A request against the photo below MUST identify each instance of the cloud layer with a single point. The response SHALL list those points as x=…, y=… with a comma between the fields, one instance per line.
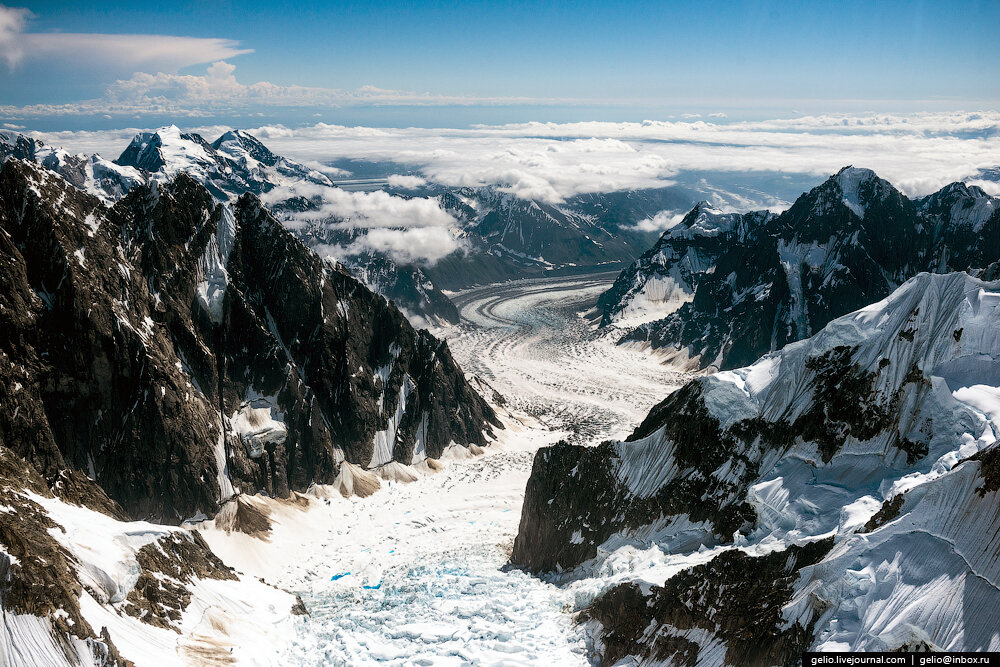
x=919, y=153
x=551, y=162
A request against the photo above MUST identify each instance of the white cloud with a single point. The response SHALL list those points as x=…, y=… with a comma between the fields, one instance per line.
x=12, y=23
x=405, y=181
x=919, y=153
x=366, y=209
x=660, y=222
x=164, y=52
x=423, y=245
x=199, y=95
x=408, y=229
x=129, y=52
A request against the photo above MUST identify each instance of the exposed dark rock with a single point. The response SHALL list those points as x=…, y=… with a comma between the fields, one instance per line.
x=72, y=486
x=299, y=608
x=735, y=597
x=845, y=244
x=129, y=336
x=160, y=596
x=575, y=498
x=37, y=575
x=989, y=462
x=684, y=255
x=889, y=511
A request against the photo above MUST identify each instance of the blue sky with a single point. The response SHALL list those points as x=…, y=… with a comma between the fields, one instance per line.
x=461, y=63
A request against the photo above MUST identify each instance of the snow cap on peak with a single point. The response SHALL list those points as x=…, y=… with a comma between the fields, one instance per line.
x=850, y=180
x=705, y=219
x=239, y=143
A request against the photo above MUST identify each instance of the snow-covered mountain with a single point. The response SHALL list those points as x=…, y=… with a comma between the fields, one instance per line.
x=233, y=164
x=90, y=173
x=842, y=493
x=507, y=237
x=158, y=359
x=844, y=244
x=666, y=276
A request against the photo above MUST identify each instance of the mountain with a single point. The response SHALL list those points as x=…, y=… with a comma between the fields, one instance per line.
x=233, y=164
x=407, y=285
x=839, y=494
x=844, y=244
x=90, y=173
x=666, y=276
x=149, y=332
x=507, y=237
x=237, y=163
x=160, y=360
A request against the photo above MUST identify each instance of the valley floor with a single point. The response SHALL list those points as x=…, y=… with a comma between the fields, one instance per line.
x=415, y=574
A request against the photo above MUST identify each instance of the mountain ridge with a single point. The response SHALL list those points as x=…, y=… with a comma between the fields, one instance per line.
x=848, y=242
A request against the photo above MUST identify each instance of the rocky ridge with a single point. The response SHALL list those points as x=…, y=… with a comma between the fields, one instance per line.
x=879, y=431
x=846, y=243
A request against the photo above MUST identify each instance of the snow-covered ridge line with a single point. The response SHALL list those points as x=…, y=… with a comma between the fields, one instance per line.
x=873, y=441
x=780, y=278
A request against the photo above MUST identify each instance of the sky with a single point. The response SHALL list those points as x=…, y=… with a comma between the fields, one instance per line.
x=744, y=103
x=67, y=66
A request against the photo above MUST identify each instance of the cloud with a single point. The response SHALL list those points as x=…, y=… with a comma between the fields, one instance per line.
x=218, y=90
x=422, y=245
x=164, y=52
x=12, y=23
x=365, y=209
x=919, y=153
x=406, y=182
x=736, y=165
x=410, y=230
x=129, y=52
x=660, y=222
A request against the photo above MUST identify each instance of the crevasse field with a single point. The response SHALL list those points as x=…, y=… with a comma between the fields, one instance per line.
x=415, y=574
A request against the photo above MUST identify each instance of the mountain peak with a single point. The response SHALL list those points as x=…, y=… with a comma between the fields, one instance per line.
x=240, y=143
x=854, y=187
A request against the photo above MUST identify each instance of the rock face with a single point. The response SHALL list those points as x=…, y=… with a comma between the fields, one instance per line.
x=666, y=276
x=508, y=237
x=134, y=338
x=878, y=430
x=71, y=565
x=726, y=612
x=846, y=243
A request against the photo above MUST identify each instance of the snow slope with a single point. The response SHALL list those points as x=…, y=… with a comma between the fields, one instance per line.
x=235, y=618
x=869, y=448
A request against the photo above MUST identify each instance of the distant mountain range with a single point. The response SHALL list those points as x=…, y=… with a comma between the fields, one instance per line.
x=720, y=290
x=503, y=237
